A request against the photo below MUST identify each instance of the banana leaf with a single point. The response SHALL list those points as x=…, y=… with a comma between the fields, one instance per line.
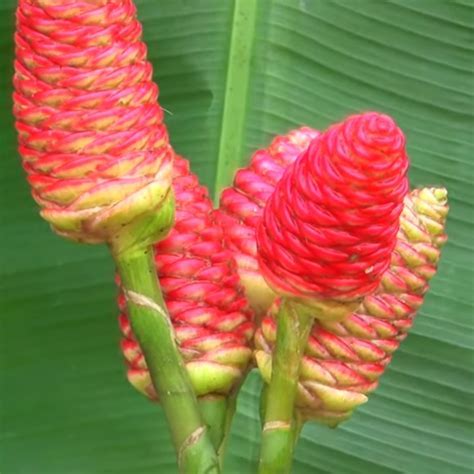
x=232, y=74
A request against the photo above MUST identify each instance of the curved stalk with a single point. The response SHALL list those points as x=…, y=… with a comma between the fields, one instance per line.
x=152, y=327
x=281, y=427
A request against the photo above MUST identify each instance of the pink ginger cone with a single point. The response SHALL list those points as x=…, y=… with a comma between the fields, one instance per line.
x=344, y=360
x=241, y=208
x=209, y=313
x=330, y=226
x=91, y=132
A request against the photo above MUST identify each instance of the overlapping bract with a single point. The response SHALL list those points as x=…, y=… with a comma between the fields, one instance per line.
x=329, y=228
x=210, y=315
x=241, y=207
x=90, y=128
x=99, y=162
x=344, y=360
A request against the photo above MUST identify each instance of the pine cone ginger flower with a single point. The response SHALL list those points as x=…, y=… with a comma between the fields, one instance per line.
x=241, y=208
x=209, y=312
x=330, y=226
x=344, y=360
x=100, y=166
x=90, y=128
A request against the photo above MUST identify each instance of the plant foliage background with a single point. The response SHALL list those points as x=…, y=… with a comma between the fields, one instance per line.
x=65, y=405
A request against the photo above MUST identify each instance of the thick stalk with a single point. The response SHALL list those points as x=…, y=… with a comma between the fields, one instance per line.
x=152, y=327
x=280, y=428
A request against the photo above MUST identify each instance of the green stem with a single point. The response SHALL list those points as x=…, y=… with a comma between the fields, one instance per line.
x=299, y=424
x=214, y=413
x=218, y=413
x=152, y=327
x=280, y=428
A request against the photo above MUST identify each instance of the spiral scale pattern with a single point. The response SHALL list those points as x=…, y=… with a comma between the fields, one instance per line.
x=91, y=132
x=330, y=226
x=241, y=207
x=200, y=283
x=344, y=360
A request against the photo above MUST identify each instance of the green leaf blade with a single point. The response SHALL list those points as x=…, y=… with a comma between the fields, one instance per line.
x=65, y=405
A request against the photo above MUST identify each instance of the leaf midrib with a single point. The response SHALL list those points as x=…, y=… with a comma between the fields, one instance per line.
x=235, y=102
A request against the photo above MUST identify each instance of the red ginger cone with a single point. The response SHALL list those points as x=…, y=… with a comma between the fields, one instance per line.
x=344, y=360
x=210, y=316
x=241, y=208
x=100, y=165
x=330, y=227
x=90, y=128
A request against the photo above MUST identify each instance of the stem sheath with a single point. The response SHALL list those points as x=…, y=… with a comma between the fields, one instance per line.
x=217, y=413
x=152, y=327
x=280, y=428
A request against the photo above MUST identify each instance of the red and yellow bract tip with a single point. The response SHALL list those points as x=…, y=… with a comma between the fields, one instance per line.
x=90, y=128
